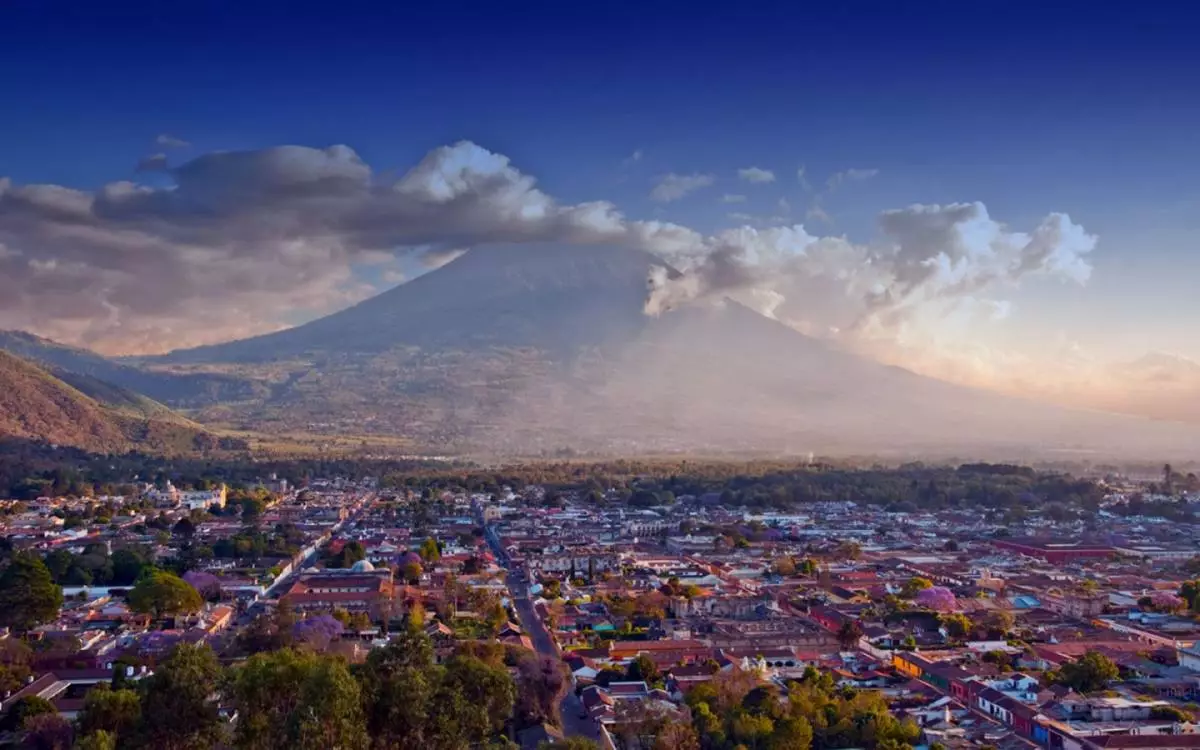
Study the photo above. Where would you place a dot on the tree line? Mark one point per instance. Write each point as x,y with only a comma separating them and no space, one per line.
399,698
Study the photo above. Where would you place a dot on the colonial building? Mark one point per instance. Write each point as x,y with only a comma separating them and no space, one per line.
358,589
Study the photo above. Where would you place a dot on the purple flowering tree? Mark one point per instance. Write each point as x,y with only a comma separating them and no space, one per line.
937,598
1165,601
317,632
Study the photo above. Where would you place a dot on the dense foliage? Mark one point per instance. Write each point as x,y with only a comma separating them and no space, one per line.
28,595
1087,674
732,711
302,698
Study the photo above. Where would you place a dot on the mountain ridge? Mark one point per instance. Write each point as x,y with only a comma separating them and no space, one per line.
188,390
35,405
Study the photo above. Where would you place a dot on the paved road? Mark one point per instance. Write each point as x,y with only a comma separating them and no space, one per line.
574,724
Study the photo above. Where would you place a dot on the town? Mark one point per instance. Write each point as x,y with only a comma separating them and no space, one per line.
927,607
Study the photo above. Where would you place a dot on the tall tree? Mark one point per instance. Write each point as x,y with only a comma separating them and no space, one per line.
1087,674
430,552
298,700
48,732
23,709
178,709
161,594
116,712
96,741
28,595
479,697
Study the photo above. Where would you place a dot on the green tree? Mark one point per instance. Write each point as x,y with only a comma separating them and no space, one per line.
913,585
1001,659
298,700
792,733
1087,674
25,708
957,625
1190,593
1170,713
411,702
127,566
643,668
479,695
398,682
96,741
28,595
750,730
15,657
998,623
179,710
411,572
430,552
161,594
116,712
47,732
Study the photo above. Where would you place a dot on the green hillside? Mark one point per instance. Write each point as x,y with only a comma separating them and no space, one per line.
35,405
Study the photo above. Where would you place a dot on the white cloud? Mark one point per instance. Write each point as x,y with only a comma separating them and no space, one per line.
838,179
730,198
933,262
756,174
784,206
243,241
170,141
672,187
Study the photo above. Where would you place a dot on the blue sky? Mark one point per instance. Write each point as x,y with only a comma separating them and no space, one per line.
1029,108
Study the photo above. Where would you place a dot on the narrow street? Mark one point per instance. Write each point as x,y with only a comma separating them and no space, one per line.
570,707
574,724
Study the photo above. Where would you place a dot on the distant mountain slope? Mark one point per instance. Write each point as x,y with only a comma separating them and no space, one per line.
120,399
178,390
525,349
544,297
35,405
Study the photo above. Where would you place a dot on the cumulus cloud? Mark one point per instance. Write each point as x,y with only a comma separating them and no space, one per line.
672,187
930,262
245,242
733,198
756,174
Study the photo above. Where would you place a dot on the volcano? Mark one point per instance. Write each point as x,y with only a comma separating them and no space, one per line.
535,349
